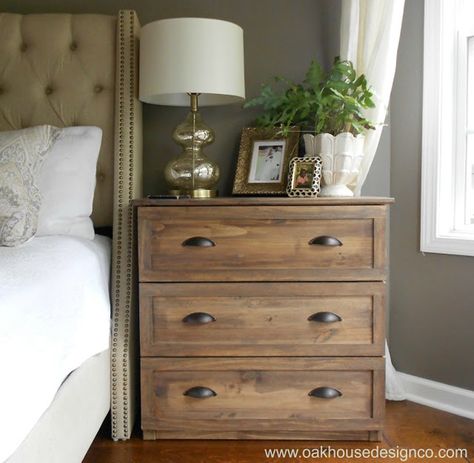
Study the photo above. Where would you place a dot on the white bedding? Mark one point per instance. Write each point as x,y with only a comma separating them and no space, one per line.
54,315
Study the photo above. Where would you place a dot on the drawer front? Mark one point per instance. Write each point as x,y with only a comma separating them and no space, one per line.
261,243
259,319
250,394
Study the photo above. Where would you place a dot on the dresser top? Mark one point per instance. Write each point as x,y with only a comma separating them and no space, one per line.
266,201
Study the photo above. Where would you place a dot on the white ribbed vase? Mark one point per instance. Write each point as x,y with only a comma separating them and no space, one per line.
341,156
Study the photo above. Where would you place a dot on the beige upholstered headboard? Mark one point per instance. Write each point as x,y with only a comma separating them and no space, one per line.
53,70
66,70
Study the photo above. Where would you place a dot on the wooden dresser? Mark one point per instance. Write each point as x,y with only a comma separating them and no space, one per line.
262,318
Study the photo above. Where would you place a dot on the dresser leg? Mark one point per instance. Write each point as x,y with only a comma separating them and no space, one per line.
149,435
375,436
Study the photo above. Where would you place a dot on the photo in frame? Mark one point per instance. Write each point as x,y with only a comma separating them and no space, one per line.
263,162
304,178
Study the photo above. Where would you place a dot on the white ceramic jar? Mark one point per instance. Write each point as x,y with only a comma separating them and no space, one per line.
341,157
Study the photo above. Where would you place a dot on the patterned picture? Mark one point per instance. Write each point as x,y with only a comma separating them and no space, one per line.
305,177
263,161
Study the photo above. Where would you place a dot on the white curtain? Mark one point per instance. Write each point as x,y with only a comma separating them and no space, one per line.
370,32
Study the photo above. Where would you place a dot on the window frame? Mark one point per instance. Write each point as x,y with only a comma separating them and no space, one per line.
444,177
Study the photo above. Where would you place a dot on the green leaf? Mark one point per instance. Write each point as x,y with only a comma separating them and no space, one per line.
315,75
330,101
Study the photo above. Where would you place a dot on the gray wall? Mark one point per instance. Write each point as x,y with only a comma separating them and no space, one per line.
432,295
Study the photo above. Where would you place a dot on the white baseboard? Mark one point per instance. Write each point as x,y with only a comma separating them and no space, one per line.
438,395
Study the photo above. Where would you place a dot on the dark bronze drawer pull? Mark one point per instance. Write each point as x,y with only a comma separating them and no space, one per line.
324,317
198,318
199,241
325,393
325,241
200,392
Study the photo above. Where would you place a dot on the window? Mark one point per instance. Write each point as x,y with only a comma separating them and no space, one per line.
447,196
470,124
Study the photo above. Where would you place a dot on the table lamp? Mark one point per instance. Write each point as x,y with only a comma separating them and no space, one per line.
184,61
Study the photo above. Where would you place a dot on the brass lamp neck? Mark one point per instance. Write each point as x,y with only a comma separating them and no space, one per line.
194,102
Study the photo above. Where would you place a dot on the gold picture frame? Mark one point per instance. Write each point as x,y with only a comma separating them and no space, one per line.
304,178
263,162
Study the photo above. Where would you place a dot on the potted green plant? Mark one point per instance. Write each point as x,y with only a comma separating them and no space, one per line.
329,107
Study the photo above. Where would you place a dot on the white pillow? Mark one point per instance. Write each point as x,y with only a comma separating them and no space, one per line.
67,183
22,153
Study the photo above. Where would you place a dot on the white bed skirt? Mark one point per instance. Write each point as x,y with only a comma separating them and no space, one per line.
66,430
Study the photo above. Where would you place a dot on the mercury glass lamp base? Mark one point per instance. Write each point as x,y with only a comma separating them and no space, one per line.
198,193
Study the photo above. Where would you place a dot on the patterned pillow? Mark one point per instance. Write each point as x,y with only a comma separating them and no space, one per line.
22,153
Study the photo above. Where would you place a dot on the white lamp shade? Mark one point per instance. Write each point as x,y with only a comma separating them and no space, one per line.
191,55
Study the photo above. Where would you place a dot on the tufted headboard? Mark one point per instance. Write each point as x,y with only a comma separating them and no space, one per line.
53,71
65,70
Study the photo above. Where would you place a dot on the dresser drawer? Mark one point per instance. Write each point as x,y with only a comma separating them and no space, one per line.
257,319
267,243
231,395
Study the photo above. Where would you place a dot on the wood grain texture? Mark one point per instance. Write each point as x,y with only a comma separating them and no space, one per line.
262,201
254,319
258,394
258,284
260,244
407,425
261,434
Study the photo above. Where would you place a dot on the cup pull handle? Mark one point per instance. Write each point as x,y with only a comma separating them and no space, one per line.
325,393
199,241
324,317
325,240
198,318
200,392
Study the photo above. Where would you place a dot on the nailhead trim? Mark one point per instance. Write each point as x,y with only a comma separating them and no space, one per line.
123,226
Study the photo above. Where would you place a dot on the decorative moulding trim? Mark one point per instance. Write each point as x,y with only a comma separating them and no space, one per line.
437,194
449,245
441,396
431,125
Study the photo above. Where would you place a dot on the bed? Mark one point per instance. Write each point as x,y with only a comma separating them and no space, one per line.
70,70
